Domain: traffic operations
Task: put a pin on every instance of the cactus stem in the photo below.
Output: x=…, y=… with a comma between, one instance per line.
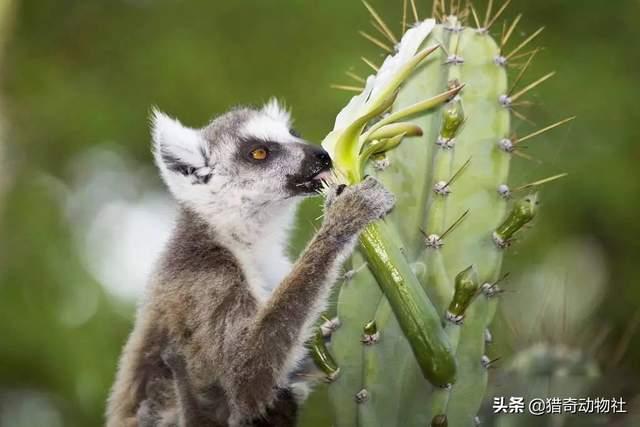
x=355, y=77
x=416, y=315
x=347, y=88
x=392, y=38
x=546, y=129
x=362, y=396
x=540, y=182
x=376, y=42
x=373, y=66
x=525, y=42
x=497, y=15
x=509, y=32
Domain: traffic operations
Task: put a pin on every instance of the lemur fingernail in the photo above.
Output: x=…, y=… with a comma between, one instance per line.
x=340, y=189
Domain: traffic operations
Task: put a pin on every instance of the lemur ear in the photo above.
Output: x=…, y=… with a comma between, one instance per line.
x=277, y=111
x=180, y=152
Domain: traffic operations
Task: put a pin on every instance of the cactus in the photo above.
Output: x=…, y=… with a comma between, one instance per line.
x=434, y=125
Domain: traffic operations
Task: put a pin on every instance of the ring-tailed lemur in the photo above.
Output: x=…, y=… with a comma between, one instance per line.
x=224, y=293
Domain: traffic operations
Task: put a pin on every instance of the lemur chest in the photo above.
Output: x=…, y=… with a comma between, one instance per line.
x=264, y=268
x=273, y=268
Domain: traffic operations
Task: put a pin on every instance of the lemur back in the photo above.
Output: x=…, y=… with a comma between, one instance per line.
x=233, y=322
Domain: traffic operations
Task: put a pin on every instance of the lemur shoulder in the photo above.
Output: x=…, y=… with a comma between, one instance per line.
x=224, y=293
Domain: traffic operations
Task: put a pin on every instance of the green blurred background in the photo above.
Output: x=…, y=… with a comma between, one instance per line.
x=83, y=213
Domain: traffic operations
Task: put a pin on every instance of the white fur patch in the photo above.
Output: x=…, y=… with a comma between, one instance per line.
x=272, y=123
x=183, y=143
x=278, y=112
x=265, y=263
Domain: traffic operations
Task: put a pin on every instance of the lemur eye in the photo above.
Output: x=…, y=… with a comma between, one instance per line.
x=259, y=153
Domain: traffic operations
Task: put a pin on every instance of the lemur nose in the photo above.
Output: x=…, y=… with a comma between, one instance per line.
x=323, y=157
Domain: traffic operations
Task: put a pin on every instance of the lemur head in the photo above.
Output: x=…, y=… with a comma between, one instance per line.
x=245, y=159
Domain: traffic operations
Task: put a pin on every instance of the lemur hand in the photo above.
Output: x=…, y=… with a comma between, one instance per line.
x=358, y=205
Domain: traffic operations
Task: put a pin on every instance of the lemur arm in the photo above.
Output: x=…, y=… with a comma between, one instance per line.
x=267, y=342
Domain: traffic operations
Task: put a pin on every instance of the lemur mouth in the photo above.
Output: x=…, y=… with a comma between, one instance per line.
x=313, y=184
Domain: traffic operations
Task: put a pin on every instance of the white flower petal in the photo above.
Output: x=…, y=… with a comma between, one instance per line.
x=407, y=48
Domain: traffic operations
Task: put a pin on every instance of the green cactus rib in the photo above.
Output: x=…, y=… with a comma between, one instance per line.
x=487, y=121
x=346, y=344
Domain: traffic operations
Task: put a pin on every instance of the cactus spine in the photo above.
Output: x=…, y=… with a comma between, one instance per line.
x=411, y=349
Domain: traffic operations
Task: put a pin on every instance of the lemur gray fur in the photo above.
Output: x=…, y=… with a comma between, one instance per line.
x=224, y=296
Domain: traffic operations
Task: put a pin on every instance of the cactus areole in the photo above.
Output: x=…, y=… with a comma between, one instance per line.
x=430, y=124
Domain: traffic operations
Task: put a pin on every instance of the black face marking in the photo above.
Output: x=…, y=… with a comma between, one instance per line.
x=176, y=165
x=316, y=160
x=248, y=145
